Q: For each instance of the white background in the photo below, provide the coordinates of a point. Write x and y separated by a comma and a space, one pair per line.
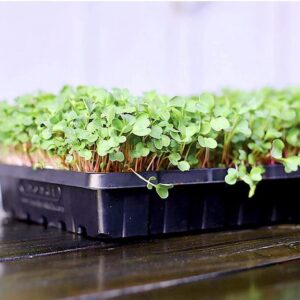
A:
171, 47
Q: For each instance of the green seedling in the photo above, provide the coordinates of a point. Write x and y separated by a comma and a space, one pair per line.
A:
90, 129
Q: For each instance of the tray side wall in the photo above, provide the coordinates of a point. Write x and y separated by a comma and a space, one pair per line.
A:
135, 212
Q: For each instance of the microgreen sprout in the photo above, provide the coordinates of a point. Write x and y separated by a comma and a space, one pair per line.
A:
162, 189
90, 129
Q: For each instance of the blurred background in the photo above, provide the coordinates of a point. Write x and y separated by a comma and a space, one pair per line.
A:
174, 48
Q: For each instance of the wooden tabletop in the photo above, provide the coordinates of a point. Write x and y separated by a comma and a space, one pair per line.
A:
40, 263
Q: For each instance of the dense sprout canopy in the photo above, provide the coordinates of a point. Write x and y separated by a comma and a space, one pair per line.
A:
94, 130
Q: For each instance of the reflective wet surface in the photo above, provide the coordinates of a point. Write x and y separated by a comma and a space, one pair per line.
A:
39, 263
279, 282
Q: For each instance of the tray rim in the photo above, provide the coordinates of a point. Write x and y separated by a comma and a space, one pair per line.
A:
117, 180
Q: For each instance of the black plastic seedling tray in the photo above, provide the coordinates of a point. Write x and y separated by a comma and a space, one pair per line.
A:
119, 205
